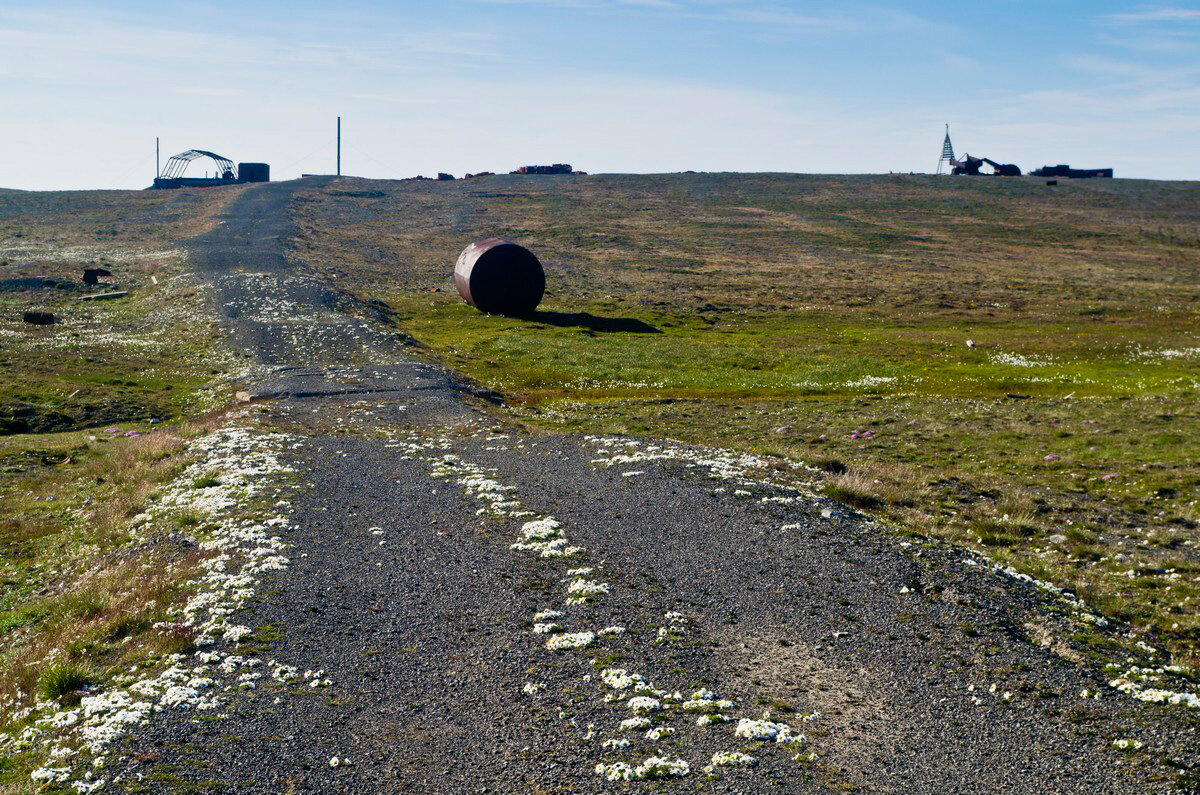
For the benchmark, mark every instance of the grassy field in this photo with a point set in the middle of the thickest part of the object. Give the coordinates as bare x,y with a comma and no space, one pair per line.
999,362
95,413
109,360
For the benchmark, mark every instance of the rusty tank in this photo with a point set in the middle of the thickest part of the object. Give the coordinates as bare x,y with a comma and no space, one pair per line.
500,277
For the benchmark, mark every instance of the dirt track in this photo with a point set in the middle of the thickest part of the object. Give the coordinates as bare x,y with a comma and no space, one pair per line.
780,601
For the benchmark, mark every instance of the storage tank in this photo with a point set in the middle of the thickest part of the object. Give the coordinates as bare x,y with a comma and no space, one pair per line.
500,277
254,172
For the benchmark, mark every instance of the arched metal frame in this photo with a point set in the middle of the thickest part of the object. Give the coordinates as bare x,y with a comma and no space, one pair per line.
179,163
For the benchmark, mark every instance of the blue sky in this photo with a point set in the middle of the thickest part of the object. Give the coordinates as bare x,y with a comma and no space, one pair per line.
607,85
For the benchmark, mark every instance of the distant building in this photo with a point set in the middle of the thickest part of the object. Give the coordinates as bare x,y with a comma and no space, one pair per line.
226,173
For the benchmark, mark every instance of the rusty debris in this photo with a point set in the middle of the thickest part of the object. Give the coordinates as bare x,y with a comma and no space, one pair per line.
556,168
37,318
91,276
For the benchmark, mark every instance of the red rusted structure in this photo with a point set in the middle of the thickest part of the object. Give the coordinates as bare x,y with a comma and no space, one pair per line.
500,277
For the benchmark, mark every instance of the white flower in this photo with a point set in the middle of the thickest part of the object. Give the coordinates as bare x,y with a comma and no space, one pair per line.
732,759
617,771
570,640
585,587
661,767
616,743
533,688
766,730
630,724
643,704
705,720
619,678
659,732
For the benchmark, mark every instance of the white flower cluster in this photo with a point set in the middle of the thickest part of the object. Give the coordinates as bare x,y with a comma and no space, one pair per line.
478,482
729,759
716,717
781,733
1133,682
570,640
675,628
533,688
654,767
544,536
703,700
582,588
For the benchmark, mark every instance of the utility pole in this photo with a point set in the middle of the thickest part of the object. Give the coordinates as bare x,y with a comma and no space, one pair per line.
157,167
339,159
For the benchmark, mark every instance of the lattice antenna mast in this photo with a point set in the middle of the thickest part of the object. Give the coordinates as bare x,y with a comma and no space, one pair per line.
947,152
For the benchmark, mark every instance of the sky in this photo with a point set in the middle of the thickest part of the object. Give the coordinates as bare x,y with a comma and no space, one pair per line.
606,85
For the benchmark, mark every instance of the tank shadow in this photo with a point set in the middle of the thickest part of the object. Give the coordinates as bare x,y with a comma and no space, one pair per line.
587,320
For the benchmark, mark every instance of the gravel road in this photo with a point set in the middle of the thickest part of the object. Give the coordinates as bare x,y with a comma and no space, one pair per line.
861,660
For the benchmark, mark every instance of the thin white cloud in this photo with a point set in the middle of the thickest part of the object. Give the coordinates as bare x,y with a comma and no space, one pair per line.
1158,15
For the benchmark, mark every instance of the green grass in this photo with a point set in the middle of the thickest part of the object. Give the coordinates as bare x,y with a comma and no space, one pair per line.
995,362
64,679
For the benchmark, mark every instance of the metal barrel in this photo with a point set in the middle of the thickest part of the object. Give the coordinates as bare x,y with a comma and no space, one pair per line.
500,277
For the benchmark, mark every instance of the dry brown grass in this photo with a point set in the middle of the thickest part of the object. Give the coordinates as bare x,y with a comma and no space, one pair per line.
98,609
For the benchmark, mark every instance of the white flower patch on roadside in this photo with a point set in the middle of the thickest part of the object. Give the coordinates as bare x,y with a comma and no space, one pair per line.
781,733
477,481
1138,683
661,767
583,587
545,628
654,767
570,640
706,720
546,615
613,630
643,704
676,627
659,732
730,759
533,688
619,678
248,464
615,743
703,700
617,771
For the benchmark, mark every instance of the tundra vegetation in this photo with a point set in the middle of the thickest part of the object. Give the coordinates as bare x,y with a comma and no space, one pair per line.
95,412
998,363
1005,364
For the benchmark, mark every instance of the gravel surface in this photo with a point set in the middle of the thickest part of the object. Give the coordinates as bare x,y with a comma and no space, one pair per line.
906,666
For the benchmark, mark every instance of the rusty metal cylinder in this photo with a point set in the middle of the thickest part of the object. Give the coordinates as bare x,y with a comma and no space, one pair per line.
500,277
